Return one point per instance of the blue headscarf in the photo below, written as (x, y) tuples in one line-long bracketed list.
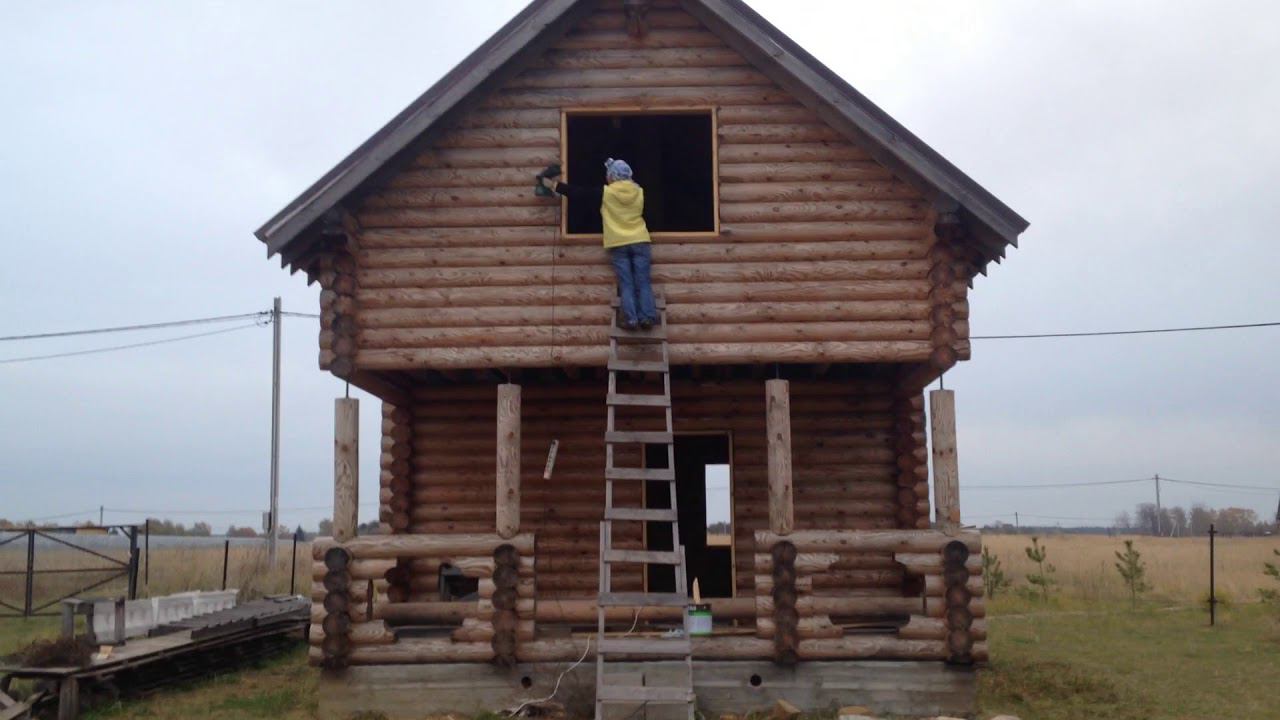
[(615, 170)]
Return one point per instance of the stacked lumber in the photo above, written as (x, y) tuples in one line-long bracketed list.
[(821, 254)]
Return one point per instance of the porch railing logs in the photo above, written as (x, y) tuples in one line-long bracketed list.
[(945, 617), (347, 629)]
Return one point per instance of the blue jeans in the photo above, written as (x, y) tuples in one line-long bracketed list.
[(631, 265)]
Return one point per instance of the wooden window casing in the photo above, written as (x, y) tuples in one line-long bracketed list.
[(566, 113)]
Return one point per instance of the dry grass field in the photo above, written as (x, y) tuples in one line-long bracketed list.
[(1084, 654), (1177, 568)]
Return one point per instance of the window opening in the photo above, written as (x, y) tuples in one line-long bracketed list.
[(672, 156)]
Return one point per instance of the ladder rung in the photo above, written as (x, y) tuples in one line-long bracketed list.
[(642, 599), (676, 646), (638, 400), (637, 693), (638, 365), (653, 557), (650, 514), (639, 473), (656, 437), (657, 333)]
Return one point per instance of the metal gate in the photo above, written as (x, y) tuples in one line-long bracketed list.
[(31, 539)]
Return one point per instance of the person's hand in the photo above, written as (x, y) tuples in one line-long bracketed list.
[(548, 183)]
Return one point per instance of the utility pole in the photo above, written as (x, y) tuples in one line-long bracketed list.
[(273, 524), (1016, 525), (1159, 533), (99, 516)]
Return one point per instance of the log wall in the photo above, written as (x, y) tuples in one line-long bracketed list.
[(822, 255), (847, 471)]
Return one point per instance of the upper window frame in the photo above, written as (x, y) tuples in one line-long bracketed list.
[(710, 110)]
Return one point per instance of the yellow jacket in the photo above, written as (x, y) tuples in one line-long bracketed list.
[(622, 210)]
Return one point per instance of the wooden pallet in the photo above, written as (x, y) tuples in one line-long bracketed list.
[(611, 648)]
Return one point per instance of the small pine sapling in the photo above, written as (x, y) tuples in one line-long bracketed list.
[(1272, 570), (993, 578), (1133, 571), (1043, 578)]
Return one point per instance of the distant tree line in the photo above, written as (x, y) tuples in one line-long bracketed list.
[(1178, 522)]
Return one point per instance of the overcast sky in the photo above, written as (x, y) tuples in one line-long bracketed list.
[(143, 143)]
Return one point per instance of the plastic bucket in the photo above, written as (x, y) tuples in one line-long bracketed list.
[(697, 620)]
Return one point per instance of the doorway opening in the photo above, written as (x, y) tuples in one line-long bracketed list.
[(704, 496)]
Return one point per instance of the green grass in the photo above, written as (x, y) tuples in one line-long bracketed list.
[(1064, 661), (16, 633), (1151, 664)]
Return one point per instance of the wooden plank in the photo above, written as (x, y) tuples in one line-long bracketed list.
[(660, 695), (946, 472), (346, 468), (637, 365), (656, 335), (644, 646), (638, 400), (644, 514), (507, 519), (778, 420), (618, 473), (653, 557), (636, 436), (642, 599)]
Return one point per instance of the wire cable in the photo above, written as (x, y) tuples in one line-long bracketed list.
[(130, 328), (1102, 333), (113, 348), (1055, 485), (1221, 485)]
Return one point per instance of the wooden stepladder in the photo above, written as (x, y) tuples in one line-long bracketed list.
[(640, 351)]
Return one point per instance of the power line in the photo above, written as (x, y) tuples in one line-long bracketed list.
[(1102, 333), (1054, 485), (113, 348), (129, 328), (298, 314), (1222, 485)]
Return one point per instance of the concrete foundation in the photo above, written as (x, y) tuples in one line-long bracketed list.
[(908, 688)]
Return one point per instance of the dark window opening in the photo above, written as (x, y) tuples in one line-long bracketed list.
[(703, 488), (456, 586), (672, 159)]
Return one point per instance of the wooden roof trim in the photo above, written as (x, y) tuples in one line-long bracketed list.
[(995, 225), (417, 118), (839, 103)]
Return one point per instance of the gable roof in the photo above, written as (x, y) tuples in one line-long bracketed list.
[(992, 224)]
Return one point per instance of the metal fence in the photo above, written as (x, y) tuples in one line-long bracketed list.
[(36, 540)]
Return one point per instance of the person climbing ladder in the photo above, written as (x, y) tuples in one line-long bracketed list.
[(626, 237)]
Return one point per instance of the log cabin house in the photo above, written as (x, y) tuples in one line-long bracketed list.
[(814, 259)]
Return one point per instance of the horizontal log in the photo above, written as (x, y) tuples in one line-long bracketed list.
[(655, 38), (851, 310), (420, 650), (673, 274), (806, 628), (765, 115), (911, 541), (667, 252), (485, 158), (790, 152), (832, 211), (925, 628), (764, 291), (699, 354), (482, 118), (591, 335), (732, 174), (410, 546), (612, 57), (936, 607), (720, 77), (458, 216), (931, 563), (935, 587), (654, 19), (453, 197), (752, 134), (374, 632), (584, 611), (517, 138), (774, 191), (639, 98)]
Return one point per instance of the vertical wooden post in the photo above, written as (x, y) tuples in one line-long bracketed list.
[(346, 468), (507, 518), (778, 426), (946, 469)]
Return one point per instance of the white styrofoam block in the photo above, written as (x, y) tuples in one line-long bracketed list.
[(214, 600)]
